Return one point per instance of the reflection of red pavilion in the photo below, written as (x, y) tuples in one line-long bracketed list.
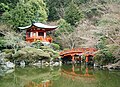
[(46, 83), (37, 31)]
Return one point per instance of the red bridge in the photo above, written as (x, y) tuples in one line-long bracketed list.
[(75, 54)]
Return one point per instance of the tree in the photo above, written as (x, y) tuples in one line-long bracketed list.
[(3, 8), (67, 36), (6, 5), (25, 13), (56, 9), (72, 14), (104, 57), (63, 27)]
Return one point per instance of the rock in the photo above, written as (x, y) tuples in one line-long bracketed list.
[(9, 71), (1, 72), (51, 63), (46, 64), (60, 63), (2, 61), (4, 67), (46, 43), (22, 63), (115, 66), (56, 64), (10, 65), (38, 63)]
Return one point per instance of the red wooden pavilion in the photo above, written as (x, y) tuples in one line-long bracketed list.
[(37, 31)]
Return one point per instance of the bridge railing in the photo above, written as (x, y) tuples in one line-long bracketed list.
[(83, 50)]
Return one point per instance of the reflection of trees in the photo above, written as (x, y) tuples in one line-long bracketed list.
[(35, 77)]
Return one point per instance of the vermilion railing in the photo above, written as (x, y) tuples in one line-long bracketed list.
[(78, 50), (41, 38)]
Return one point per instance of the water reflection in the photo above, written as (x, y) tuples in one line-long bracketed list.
[(46, 83), (64, 76), (77, 72)]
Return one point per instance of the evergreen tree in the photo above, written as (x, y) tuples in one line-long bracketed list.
[(64, 27), (25, 13), (72, 14)]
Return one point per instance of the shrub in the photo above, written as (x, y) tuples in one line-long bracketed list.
[(55, 46), (37, 44), (104, 57), (30, 54), (8, 51)]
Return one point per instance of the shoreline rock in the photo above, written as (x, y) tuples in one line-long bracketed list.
[(115, 66)]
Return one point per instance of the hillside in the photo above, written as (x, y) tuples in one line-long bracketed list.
[(81, 23)]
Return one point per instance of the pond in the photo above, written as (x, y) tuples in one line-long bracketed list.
[(65, 76)]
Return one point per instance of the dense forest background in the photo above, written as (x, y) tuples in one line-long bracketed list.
[(81, 23)]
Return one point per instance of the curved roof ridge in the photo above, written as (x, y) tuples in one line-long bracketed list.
[(40, 25)]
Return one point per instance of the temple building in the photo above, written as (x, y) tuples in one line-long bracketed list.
[(37, 31)]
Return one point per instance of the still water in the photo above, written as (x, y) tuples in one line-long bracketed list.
[(65, 76)]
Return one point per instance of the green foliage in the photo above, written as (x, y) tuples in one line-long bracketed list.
[(115, 50), (53, 6), (56, 8), (53, 14), (2, 42), (81, 1), (30, 54), (72, 14), (8, 51), (9, 3), (26, 13), (55, 46), (53, 54), (64, 27), (93, 11), (37, 44), (104, 57), (11, 40), (102, 43), (3, 7)]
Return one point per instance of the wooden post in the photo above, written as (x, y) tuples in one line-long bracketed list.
[(80, 59), (86, 72), (31, 34), (26, 34), (73, 69), (36, 34), (44, 35), (87, 60), (73, 59)]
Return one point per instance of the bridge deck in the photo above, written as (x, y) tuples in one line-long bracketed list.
[(78, 51)]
